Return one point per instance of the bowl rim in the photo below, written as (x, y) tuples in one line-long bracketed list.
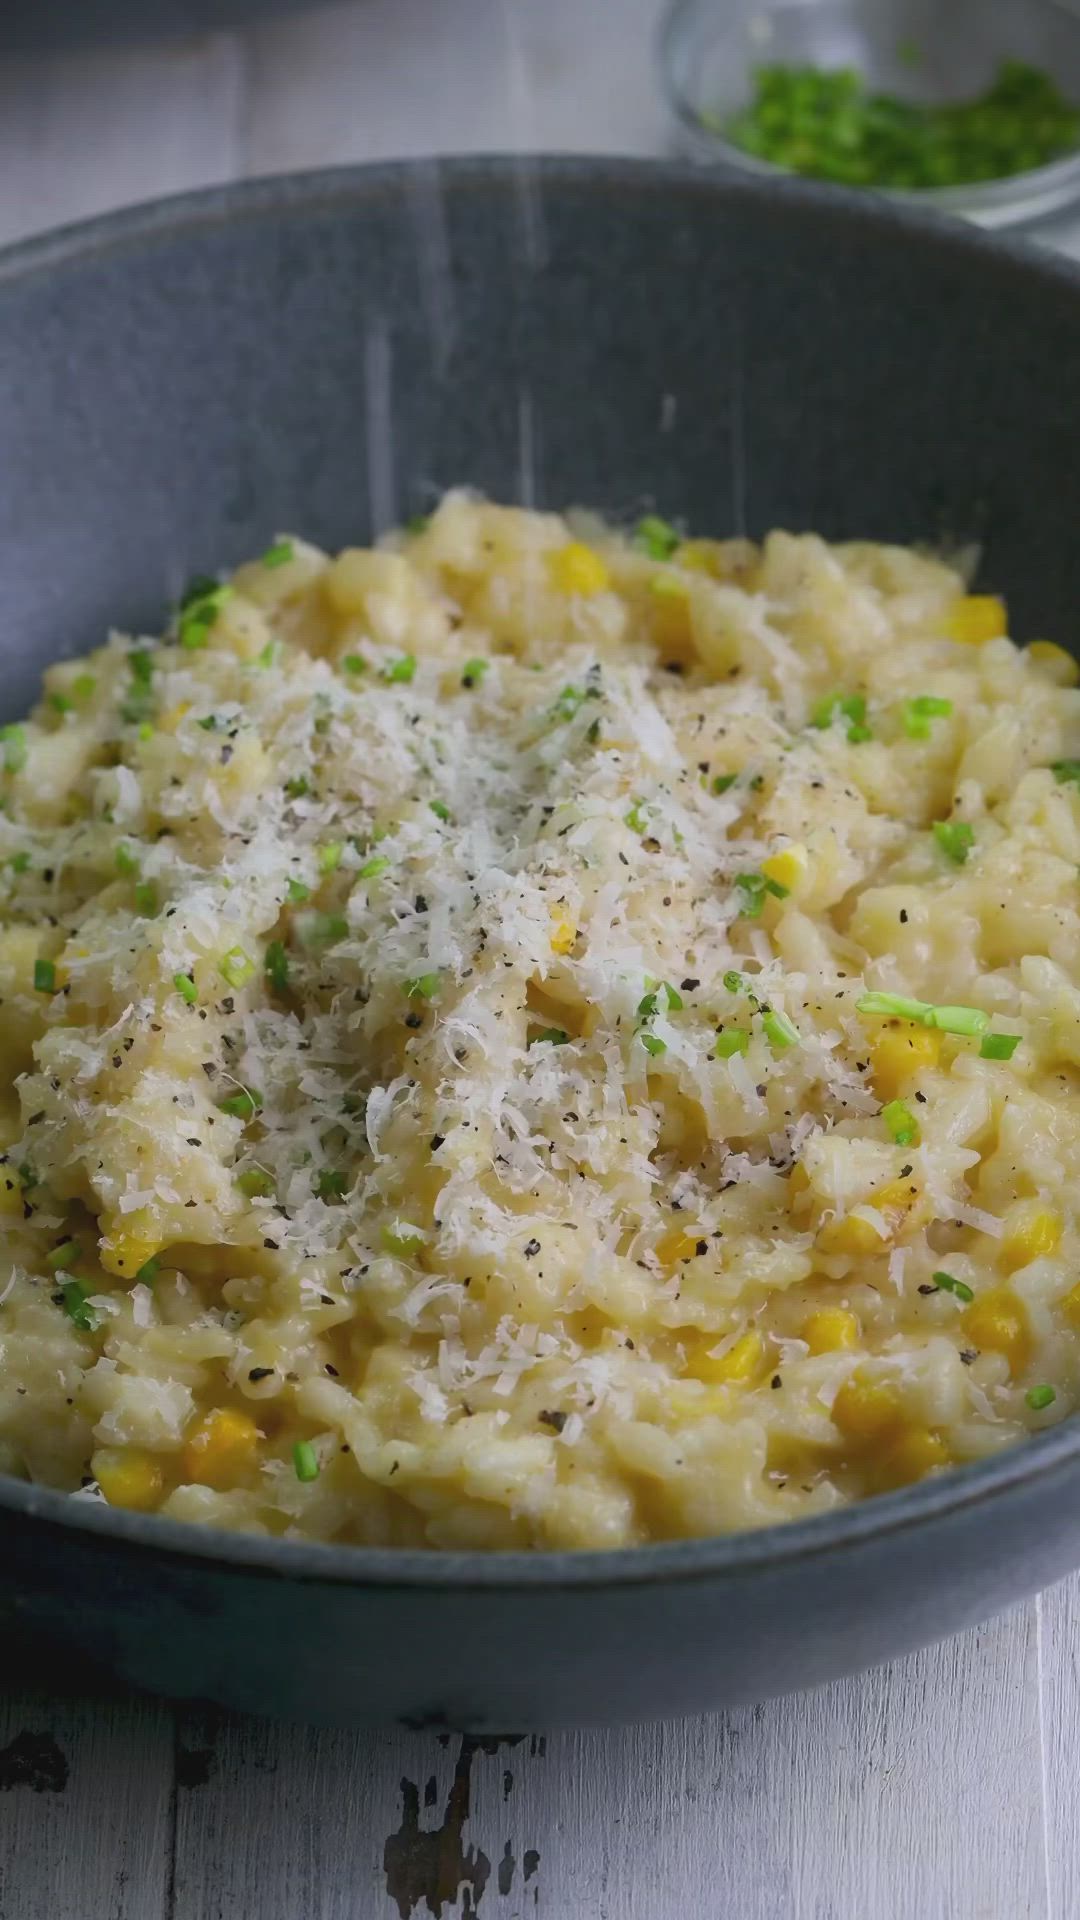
[(184, 1545)]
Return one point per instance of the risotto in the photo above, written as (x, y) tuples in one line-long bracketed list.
[(531, 1036)]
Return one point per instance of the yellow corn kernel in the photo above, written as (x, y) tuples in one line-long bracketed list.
[(576, 569), (172, 716), (11, 1192), (912, 1455), (852, 1234), (737, 1367), (679, 1243), (563, 935), (830, 1329), (1062, 668), (798, 1180), (220, 1447), (681, 1404), (720, 559), (997, 1321), (977, 617), (787, 867), (128, 1477), (899, 1054), (866, 1408), (124, 1253), (1071, 1305), (1031, 1231)]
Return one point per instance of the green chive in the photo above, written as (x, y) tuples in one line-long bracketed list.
[(242, 1105), (149, 1271), (209, 723), (84, 686), (729, 1043), (901, 1123), (276, 966), (402, 1244), (185, 987), (76, 1306), (850, 706), (44, 976), (19, 862), (267, 656), (330, 856), (198, 615), (734, 982), (754, 887), (1040, 1397), (297, 893), (237, 967), (305, 1460), (60, 703), (424, 986), (372, 869), (779, 1031), (324, 929), (948, 1285), (15, 749), (298, 786), (400, 671), (418, 523), (141, 666), (635, 818), (955, 838), (653, 1044), (278, 554), (354, 663), (64, 1256), (999, 1046), (1067, 772), (440, 809), (126, 862), (146, 898), (723, 781), (893, 1004), (655, 537), (965, 1021), (473, 671), (555, 1037), (919, 712), (330, 1185), (648, 1005), (255, 1183)]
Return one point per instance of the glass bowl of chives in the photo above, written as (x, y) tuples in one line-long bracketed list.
[(972, 106)]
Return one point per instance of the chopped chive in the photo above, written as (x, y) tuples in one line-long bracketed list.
[(728, 1043), (635, 818), (1066, 772), (400, 671), (919, 712), (1040, 1397), (555, 1037), (278, 554), (950, 1285), (965, 1021), (60, 703), (276, 966), (355, 663), (244, 1104), (237, 967), (372, 869), (653, 1044), (305, 1460), (647, 1006), (473, 671), (146, 898), (44, 976), (266, 657), (850, 706), (209, 723), (15, 749), (999, 1046), (424, 986), (19, 862), (255, 1183), (656, 537), (324, 929), (330, 1184), (77, 1307), (126, 861), (722, 782), (330, 856), (734, 982), (185, 987), (668, 586), (297, 893), (141, 666), (149, 1271), (298, 786), (754, 887), (570, 700), (901, 1123), (440, 809), (64, 1256), (403, 1244), (84, 686), (198, 614), (146, 730), (955, 838), (418, 523), (896, 1005), (779, 1031)]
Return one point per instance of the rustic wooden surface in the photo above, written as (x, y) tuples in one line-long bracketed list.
[(942, 1788)]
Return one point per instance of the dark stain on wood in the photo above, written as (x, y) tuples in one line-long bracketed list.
[(435, 1865), (530, 1860), (194, 1766), (505, 1875), (431, 1791), (508, 1783), (33, 1760)]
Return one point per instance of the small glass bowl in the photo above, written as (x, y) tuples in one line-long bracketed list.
[(708, 50)]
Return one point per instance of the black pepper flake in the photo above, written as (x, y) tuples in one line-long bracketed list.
[(414, 1020), (260, 1373), (690, 986), (555, 1420), (904, 1172), (437, 1140), (532, 1247), (903, 916), (701, 1246), (968, 1355), (776, 1381), (926, 1288)]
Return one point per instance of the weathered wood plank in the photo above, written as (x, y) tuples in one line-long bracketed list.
[(1059, 1660), (85, 1809)]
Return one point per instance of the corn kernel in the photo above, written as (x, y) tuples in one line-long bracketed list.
[(679, 1243), (977, 617), (124, 1253), (737, 1367), (1062, 668), (576, 569), (701, 556), (172, 716), (787, 867), (899, 1054), (681, 1404), (997, 1321), (563, 935), (852, 1234), (128, 1477), (220, 1447), (1071, 1304), (912, 1455), (830, 1329), (1031, 1231), (721, 560), (866, 1409)]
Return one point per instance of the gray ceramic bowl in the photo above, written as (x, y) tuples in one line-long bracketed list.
[(183, 380)]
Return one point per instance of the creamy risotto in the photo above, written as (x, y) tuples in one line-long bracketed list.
[(535, 1037)]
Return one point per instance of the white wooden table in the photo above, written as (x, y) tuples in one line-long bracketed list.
[(943, 1788)]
